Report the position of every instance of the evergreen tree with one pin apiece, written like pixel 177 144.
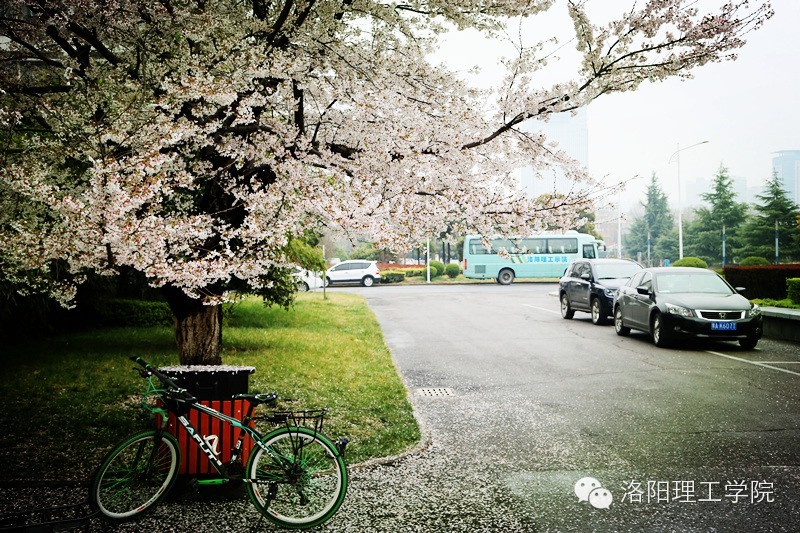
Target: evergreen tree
pixel 666 247
pixel 758 234
pixel 657 221
pixel 704 234
pixel 590 224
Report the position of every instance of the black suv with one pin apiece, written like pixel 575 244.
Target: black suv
pixel 591 284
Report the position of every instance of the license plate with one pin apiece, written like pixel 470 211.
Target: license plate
pixel 723 326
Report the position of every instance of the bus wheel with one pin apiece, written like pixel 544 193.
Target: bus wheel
pixel 505 277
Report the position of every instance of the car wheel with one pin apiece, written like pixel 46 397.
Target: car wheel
pixel 505 277
pixel 302 286
pixel 659 331
pixel 367 281
pixel 327 281
pixel 566 311
pixel 598 318
pixel 749 343
pixel 622 331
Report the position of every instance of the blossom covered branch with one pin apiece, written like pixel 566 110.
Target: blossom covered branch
pixel 191 140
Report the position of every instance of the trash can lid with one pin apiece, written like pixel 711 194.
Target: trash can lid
pixel 228 369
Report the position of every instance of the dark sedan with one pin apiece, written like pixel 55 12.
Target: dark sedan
pixel 673 302
pixel 591 284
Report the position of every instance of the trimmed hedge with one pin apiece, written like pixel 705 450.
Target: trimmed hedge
pixel 423 271
pixel 793 289
pixel 753 260
pixel 392 276
pixel 452 270
pixel 694 262
pixel 439 266
pixel 763 281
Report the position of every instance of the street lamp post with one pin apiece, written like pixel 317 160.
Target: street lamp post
pixel 680 207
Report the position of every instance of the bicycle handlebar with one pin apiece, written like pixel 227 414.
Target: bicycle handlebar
pixel 179 393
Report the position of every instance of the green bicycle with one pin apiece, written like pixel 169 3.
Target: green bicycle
pixel 295 477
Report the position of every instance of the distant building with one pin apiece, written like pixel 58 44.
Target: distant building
pixel 786 164
pixel 695 188
pixel 571 132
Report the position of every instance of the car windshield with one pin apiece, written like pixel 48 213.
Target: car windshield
pixel 690 282
pixel 616 270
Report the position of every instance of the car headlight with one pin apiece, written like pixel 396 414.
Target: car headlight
pixel 755 311
pixel 678 310
pixel 611 293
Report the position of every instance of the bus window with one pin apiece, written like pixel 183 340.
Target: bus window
pixel 497 244
pixel 562 246
pixel 476 247
pixel 588 251
pixel 535 246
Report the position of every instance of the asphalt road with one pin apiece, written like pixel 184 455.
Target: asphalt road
pixel 696 438
pixel 519 405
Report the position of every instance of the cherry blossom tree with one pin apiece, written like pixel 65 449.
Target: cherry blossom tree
pixel 191 140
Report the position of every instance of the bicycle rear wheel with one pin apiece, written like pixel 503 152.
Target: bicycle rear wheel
pixel 135 475
pixel 299 481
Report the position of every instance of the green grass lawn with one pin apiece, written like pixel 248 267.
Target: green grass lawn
pixel 785 303
pixel 67 399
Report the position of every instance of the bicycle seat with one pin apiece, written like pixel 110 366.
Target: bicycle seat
pixel 257 399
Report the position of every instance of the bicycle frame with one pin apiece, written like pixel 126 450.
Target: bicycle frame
pixel 214 457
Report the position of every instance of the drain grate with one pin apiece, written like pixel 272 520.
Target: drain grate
pixel 436 392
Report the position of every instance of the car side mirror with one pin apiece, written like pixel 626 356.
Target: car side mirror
pixel 641 289
pixel 586 276
pixel 740 289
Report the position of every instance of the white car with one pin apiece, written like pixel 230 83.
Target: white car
pixel 306 280
pixel 354 271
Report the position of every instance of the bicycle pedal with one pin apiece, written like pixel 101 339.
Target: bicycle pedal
pixel 341 444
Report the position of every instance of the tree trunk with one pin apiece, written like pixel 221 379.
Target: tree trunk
pixel 198 328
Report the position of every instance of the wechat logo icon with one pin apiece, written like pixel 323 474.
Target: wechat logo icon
pixel 588 489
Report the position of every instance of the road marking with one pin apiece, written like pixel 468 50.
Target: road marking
pixel 543 309
pixel 757 363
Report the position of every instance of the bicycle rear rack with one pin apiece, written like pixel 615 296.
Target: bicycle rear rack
pixel 46 519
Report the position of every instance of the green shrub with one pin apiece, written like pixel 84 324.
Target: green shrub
pixel 422 270
pixel 452 270
pixel 753 261
pixel 793 289
pixel 694 262
pixel 120 312
pixel 392 276
pixel 786 303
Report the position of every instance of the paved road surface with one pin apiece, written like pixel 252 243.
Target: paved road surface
pixel 540 402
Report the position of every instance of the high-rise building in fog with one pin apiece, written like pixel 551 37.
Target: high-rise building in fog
pixel 786 164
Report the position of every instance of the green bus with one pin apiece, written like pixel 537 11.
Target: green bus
pixel 539 256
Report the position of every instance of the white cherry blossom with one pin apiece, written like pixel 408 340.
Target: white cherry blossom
pixel 190 140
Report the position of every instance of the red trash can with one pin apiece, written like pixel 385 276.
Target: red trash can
pixel 213 386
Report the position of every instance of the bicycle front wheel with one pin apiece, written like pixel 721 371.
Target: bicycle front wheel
pixel 297 478
pixel 135 475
